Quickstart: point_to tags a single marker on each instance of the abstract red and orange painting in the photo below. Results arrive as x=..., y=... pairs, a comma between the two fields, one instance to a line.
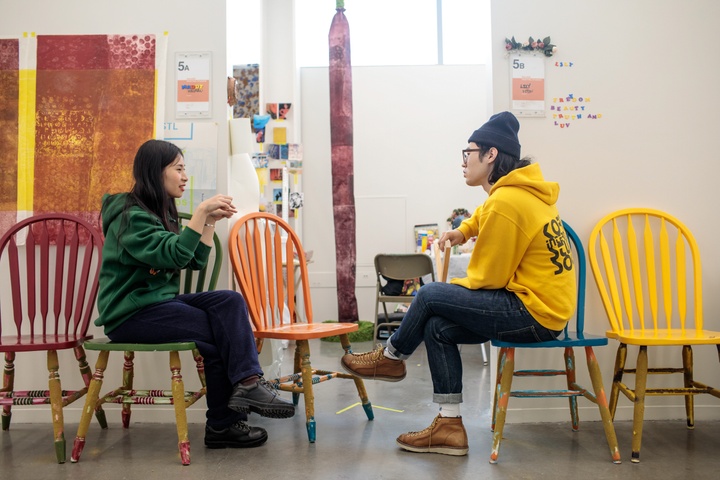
x=73, y=112
x=95, y=105
x=9, y=95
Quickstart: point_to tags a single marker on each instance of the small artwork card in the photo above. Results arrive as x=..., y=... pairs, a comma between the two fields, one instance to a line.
x=295, y=151
x=280, y=135
x=283, y=110
x=276, y=174
x=260, y=160
x=296, y=200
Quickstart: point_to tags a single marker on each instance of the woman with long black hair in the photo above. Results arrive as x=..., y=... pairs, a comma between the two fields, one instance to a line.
x=138, y=300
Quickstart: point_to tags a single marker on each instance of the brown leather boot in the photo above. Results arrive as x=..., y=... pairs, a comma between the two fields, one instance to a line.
x=445, y=435
x=374, y=366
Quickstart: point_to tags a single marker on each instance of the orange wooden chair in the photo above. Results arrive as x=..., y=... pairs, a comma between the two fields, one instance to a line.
x=647, y=268
x=266, y=255
x=53, y=264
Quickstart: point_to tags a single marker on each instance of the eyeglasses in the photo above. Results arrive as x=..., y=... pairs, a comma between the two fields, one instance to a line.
x=466, y=153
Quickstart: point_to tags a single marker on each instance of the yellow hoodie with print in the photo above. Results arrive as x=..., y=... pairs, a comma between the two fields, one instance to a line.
x=522, y=246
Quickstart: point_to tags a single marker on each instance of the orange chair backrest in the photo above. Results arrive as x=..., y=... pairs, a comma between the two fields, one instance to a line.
x=259, y=245
x=647, y=268
x=53, y=265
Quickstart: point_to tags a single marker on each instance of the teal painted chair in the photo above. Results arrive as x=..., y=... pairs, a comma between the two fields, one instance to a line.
x=126, y=395
x=566, y=342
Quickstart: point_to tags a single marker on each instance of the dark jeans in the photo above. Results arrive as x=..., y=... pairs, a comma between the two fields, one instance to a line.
x=444, y=316
x=218, y=323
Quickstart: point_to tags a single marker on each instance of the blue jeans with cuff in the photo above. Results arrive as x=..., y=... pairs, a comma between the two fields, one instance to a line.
x=444, y=316
x=218, y=323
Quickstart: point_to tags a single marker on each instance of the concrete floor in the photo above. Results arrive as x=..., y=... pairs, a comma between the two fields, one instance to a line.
x=350, y=447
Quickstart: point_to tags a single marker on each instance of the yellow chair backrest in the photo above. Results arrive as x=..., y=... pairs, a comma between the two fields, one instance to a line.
x=647, y=268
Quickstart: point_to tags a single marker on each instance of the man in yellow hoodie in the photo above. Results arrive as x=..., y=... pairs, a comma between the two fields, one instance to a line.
x=520, y=284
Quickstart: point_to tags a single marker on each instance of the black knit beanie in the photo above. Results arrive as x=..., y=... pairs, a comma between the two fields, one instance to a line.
x=501, y=132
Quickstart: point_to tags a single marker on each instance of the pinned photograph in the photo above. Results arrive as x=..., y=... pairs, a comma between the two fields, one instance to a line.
x=276, y=174
x=272, y=110
x=284, y=110
x=296, y=200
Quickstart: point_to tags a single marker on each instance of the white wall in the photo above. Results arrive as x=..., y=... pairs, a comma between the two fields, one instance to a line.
x=409, y=124
x=649, y=68
x=191, y=27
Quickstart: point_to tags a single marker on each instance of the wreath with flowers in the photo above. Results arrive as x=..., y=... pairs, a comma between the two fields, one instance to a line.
x=532, y=45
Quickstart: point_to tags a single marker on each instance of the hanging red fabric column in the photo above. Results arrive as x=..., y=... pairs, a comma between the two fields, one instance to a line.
x=341, y=133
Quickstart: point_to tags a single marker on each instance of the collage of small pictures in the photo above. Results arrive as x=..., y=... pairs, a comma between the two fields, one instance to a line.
x=278, y=163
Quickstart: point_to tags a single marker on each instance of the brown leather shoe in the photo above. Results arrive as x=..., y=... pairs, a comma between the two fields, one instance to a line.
x=374, y=366
x=445, y=435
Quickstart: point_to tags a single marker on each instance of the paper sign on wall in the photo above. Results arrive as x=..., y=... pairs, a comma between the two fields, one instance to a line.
x=193, y=85
x=528, y=85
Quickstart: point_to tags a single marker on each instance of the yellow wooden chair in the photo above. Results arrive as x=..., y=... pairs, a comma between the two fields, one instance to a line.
x=647, y=268
x=126, y=395
x=265, y=253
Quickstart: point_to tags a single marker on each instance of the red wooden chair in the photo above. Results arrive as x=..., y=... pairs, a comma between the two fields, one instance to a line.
x=49, y=265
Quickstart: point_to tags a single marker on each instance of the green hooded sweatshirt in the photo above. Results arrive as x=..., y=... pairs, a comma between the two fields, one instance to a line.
x=141, y=261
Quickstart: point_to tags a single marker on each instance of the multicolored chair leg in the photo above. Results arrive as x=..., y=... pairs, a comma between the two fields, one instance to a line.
x=91, y=402
x=8, y=386
x=56, y=404
x=178, y=393
x=506, y=365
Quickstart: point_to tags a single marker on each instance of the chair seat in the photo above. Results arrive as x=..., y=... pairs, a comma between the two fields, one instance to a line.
x=306, y=331
x=571, y=340
x=667, y=337
x=106, y=344
x=397, y=298
x=32, y=343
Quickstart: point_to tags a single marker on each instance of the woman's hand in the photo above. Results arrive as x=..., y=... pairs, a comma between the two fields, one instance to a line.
x=217, y=207
x=455, y=236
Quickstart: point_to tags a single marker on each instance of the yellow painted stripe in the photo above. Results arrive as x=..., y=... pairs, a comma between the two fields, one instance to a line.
x=155, y=104
x=156, y=101
x=347, y=408
x=374, y=406
x=26, y=140
x=389, y=409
